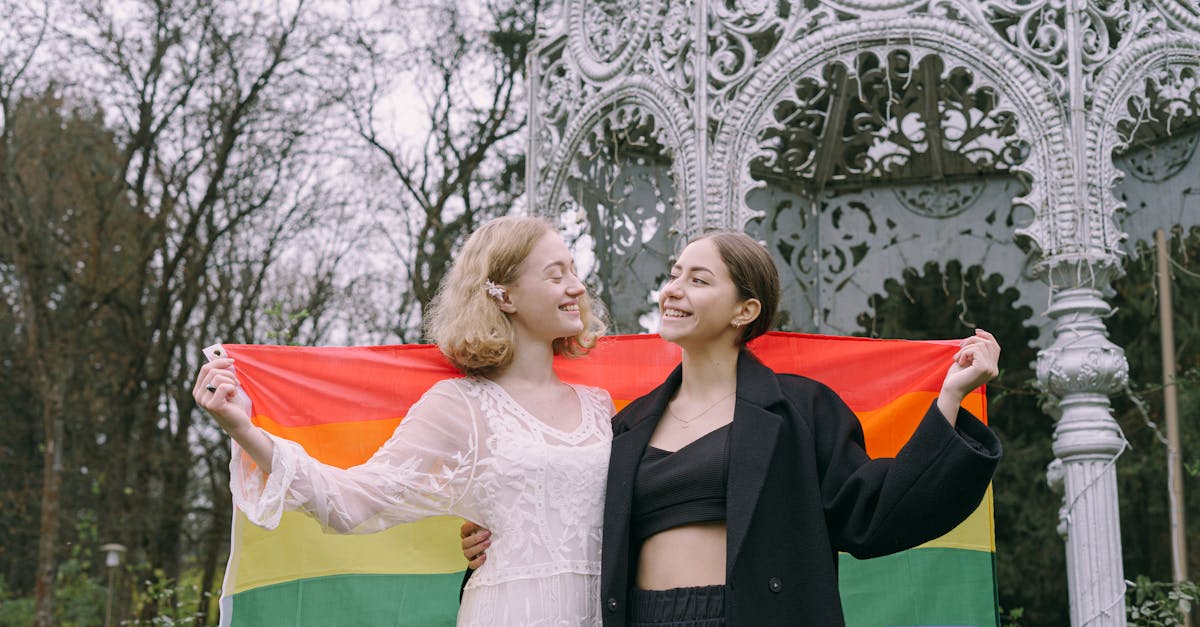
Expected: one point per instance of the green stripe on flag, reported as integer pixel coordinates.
(920, 588)
(359, 600)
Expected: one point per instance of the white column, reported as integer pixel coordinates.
(1082, 368)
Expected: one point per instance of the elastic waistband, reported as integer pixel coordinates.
(702, 606)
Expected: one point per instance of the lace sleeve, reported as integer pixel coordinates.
(606, 407)
(423, 470)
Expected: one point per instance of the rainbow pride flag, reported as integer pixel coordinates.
(341, 404)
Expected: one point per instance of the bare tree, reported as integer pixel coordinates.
(34, 308)
(181, 171)
(139, 225)
(463, 161)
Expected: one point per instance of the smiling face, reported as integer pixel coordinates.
(700, 303)
(543, 302)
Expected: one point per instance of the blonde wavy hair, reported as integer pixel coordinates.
(464, 320)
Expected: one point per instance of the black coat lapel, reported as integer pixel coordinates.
(632, 428)
(752, 443)
(755, 431)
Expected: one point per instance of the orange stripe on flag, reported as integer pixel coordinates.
(888, 428)
(341, 444)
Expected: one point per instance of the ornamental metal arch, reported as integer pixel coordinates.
(1017, 87)
(633, 107)
(671, 123)
(1017, 92)
(1160, 59)
(1066, 86)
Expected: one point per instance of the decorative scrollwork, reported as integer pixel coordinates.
(607, 25)
(865, 8)
(1149, 93)
(560, 93)
(850, 227)
(811, 120)
(1019, 113)
(1169, 102)
(551, 19)
(1041, 32)
(606, 36)
(834, 252)
(1082, 370)
(1082, 359)
(626, 128)
(942, 199)
(1183, 14)
(621, 190)
(1162, 160)
(740, 35)
(887, 119)
(672, 47)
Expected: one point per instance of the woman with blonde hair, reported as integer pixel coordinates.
(509, 445)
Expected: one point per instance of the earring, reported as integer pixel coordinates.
(736, 324)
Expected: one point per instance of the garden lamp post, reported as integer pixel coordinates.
(112, 559)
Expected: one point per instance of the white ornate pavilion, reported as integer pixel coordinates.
(858, 138)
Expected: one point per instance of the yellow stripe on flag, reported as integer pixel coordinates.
(976, 533)
(298, 549)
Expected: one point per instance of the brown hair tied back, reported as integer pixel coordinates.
(753, 273)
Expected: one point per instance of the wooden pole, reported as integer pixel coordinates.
(1171, 410)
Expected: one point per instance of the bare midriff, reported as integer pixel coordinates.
(683, 557)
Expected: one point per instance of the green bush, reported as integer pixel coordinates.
(14, 612)
(1011, 618)
(79, 600)
(174, 603)
(1159, 604)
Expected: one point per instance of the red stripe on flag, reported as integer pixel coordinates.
(306, 386)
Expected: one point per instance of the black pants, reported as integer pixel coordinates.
(677, 607)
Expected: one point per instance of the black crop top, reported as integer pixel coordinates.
(681, 487)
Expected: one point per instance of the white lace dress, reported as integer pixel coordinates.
(468, 449)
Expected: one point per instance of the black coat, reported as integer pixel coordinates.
(801, 488)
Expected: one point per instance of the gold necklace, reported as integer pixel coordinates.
(686, 423)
